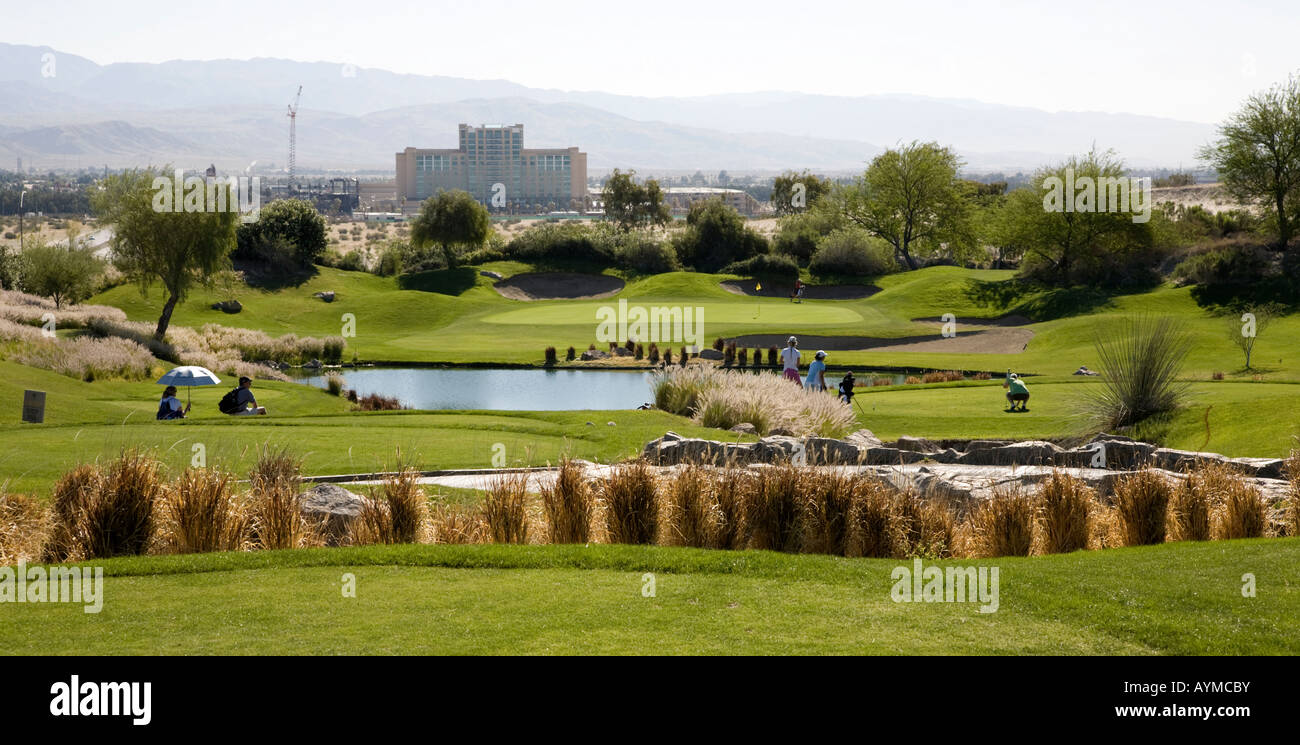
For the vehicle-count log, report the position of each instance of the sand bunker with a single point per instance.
(810, 292)
(991, 341)
(1009, 320)
(559, 286)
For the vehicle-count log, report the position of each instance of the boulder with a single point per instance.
(1261, 468)
(777, 448)
(312, 364)
(228, 306)
(745, 428)
(887, 456)
(1182, 460)
(1120, 452)
(709, 353)
(327, 295)
(916, 444)
(334, 508)
(594, 354)
(830, 452)
(864, 438)
(490, 274)
(622, 352)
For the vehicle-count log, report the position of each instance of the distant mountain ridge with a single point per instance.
(232, 112)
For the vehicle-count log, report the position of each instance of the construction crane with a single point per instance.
(293, 137)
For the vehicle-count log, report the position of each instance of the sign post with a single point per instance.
(34, 406)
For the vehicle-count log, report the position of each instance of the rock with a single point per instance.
(228, 306)
(825, 451)
(777, 448)
(864, 438)
(745, 428)
(594, 354)
(1261, 468)
(312, 365)
(1182, 460)
(947, 455)
(334, 507)
(1029, 453)
(916, 444)
(612, 424)
(490, 274)
(591, 424)
(887, 456)
(709, 353)
(781, 431)
(327, 295)
(1122, 452)
(622, 352)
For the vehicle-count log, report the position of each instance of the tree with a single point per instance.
(715, 236)
(290, 225)
(1257, 155)
(912, 198)
(1244, 330)
(175, 248)
(1075, 246)
(631, 205)
(452, 221)
(65, 275)
(796, 192)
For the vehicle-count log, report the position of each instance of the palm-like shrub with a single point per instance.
(1140, 358)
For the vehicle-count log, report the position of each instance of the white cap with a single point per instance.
(792, 340)
(821, 355)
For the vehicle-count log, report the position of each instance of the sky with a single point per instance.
(1186, 59)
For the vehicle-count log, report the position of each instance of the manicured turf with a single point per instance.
(1173, 599)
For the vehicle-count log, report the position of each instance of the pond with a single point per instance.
(509, 390)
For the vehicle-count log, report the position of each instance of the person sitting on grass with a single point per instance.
(1018, 392)
(240, 402)
(846, 388)
(170, 406)
(790, 359)
(817, 373)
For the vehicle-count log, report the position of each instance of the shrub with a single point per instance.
(876, 529)
(771, 356)
(767, 266)
(730, 506)
(1241, 513)
(1141, 503)
(641, 253)
(1227, 266)
(72, 493)
(505, 513)
(572, 354)
(683, 357)
(828, 508)
(1193, 502)
(1141, 358)
(743, 357)
(456, 524)
(639, 352)
(882, 381)
(654, 353)
(376, 402)
(277, 519)
(851, 252)
(729, 354)
(568, 505)
(24, 523)
(774, 508)
(566, 241)
(118, 519)
(668, 357)
(1064, 514)
(724, 398)
(691, 508)
(551, 359)
(1003, 525)
(399, 513)
(912, 380)
(926, 526)
(200, 515)
(631, 504)
(334, 384)
(716, 236)
(1293, 500)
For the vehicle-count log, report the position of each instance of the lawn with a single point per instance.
(1178, 598)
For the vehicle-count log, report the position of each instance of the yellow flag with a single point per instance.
(758, 287)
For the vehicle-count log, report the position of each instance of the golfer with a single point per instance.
(1017, 393)
(817, 372)
(846, 388)
(790, 359)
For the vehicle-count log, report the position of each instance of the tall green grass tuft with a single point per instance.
(1140, 359)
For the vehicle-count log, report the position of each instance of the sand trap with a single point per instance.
(810, 292)
(991, 341)
(1009, 320)
(559, 286)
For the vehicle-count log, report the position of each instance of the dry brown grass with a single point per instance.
(730, 497)
(774, 507)
(72, 492)
(199, 514)
(928, 525)
(397, 513)
(1142, 503)
(24, 525)
(118, 518)
(277, 518)
(1293, 501)
(877, 529)
(1002, 525)
(505, 509)
(691, 508)
(631, 504)
(827, 513)
(568, 505)
(1064, 514)
(1190, 505)
(1241, 513)
(457, 524)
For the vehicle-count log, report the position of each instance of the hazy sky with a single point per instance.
(1185, 59)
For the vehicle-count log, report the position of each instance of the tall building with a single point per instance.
(493, 165)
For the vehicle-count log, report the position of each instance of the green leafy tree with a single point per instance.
(633, 206)
(65, 275)
(798, 234)
(1066, 247)
(171, 247)
(1257, 154)
(293, 225)
(715, 236)
(453, 221)
(912, 198)
(797, 192)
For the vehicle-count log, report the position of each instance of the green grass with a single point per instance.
(1172, 599)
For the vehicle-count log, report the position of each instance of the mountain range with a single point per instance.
(60, 110)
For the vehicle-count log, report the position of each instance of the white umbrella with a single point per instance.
(189, 376)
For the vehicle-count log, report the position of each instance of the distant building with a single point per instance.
(493, 165)
(680, 199)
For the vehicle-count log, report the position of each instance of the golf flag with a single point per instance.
(758, 287)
